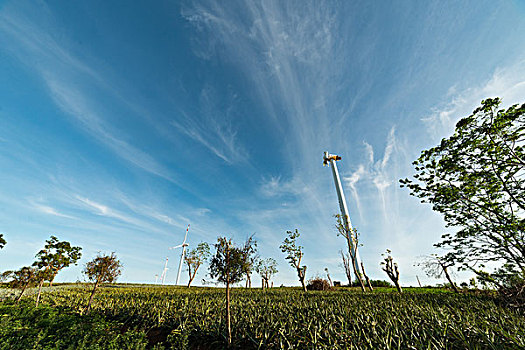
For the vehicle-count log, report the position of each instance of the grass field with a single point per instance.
(281, 318)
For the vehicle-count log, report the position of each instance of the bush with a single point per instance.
(318, 283)
(375, 283)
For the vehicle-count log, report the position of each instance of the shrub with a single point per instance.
(318, 283)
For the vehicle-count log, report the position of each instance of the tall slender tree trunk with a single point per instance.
(22, 292)
(39, 291)
(92, 295)
(418, 282)
(454, 287)
(356, 272)
(366, 277)
(228, 316)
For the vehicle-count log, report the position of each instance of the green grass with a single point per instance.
(175, 317)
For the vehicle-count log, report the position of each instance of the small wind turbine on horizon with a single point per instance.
(164, 272)
(183, 246)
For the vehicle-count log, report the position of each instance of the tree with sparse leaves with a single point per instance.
(351, 238)
(226, 266)
(249, 255)
(347, 266)
(266, 268)
(102, 269)
(391, 269)
(2, 241)
(195, 258)
(476, 179)
(55, 256)
(294, 254)
(436, 266)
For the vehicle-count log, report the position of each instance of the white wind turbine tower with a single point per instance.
(164, 272)
(330, 159)
(183, 246)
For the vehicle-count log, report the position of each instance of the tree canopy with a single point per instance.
(2, 241)
(476, 179)
(195, 258)
(103, 268)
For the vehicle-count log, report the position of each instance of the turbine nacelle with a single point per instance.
(328, 157)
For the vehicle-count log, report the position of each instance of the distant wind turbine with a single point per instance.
(183, 246)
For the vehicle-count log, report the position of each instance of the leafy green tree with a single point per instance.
(294, 254)
(391, 269)
(21, 279)
(55, 256)
(226, 265)
(249, 255)
(2, 241)
(266, 268)
(102, 269)
(195, 258)
(476, 179)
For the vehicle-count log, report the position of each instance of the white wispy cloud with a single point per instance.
(68, 79)
(507, 82)
(46, 209)
(213, 127)
(377, 171)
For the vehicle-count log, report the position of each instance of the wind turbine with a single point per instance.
(164, 272)
(183, 246)
(330, 159)
(156, 278)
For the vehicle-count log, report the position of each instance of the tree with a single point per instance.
(328, 276)
(2, 241)
(437, 267)
(352, 238)
(227, 267)
(266, 268)
(390, 267)
(475, 178)
(55, 256)
(368, 282)
(347, 266)
(294, 254)
(249, 255)
(21, 279)
(195, 258)
(102, 269)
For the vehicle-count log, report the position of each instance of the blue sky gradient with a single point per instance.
(122, 122)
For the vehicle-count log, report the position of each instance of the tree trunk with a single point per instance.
(366, 277)
(450, 279)
(92, 295)
(249, 280)
(22, 292)
(398, 286)
(52, 279)
(39, 290)
(228, 318)
(418, 282)
(300, 273)
(357, 274)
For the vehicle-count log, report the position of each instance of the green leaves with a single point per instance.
(226, 265)
(103, 269)
(475, 178)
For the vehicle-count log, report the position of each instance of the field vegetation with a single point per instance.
(276, 318)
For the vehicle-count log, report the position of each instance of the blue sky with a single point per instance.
(122, 122)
